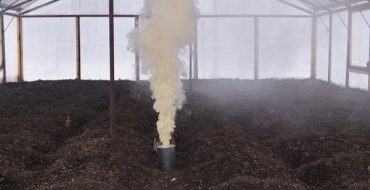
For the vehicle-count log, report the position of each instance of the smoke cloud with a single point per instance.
(165, 29)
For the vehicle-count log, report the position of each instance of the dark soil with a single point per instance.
(231, 134)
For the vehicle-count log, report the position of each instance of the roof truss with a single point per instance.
(310, 7)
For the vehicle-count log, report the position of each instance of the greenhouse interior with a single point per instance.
(185, 94)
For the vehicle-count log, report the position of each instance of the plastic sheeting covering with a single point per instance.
(360, 51)
(361, 41)
(339, 49)
(361, 47)
(49, 55)
(285, 48)
(225, 45)
(11, 49)
(323, 48)
(226, 48)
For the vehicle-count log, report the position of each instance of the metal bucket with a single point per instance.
(167, 157)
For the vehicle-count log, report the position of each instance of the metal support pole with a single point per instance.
(196, 74)
(190, 67)
(191, 61)
(137, 58)
(111, 56)
(3, 60)
(78, 48)
(314, 47)
(330, 46)
(368, 66)
(349, 47)
(20, 49)
(256, 48)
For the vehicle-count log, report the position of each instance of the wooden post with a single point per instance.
(196, 74)
(314, 47)
(256, 48)
(78, 48)
(20, 49)
(3, 60)
(111, 56)
(330, 46)
(137, 58)
(349, 46)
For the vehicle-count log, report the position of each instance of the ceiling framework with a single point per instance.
(14, 7)
(323, 7)
(307, 7)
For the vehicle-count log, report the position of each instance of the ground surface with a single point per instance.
(268, 134)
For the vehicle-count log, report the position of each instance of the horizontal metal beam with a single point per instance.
(17, 6)
(10, 14)
(358, 70)
(256, 15)
(361, 7)
(4, 6)
(200, 16)
(77, 15)
(355, 8)
(39, 7)
(318, 6)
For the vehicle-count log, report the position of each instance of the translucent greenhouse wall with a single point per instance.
(323, 48)
(225, 45)
(226, 48)
(49, 55)
(285, 47)
(360, 48)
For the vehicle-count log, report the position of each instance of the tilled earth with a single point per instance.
(231, 134)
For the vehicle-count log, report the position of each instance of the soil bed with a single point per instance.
(231, 134)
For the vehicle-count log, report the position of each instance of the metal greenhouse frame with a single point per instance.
(313, 9)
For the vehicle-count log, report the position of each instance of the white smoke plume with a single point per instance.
(165, 29)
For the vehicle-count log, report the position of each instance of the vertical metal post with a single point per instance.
(20, 49)
(196, 74)
(3, 60)
(256, 48)
(78, 48)
(111, 56)
(330, 46)
(137, 58)
(368, 65)
(314, 47)
(190, 67)
(191, 61)
(349, 46)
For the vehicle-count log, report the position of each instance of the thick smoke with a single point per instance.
(165, 29)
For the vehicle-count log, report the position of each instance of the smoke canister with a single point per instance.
(167, 157)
